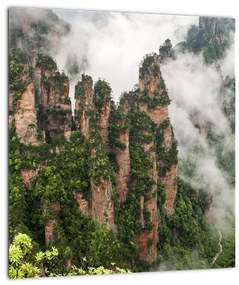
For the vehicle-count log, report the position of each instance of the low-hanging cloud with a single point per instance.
(114, 43)
(194, 89)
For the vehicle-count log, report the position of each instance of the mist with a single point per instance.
(194, 89)
(113, 44)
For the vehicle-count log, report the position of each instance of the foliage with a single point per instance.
(168, 156)
(81, 86)
(145, 65)
(66, 173)
(131, 98)
(117, 124)
(187, 241)
(19, 75)
(227, 257)
(141, 130)
(46, 62)
(206, 38)
(23, 263)
(17, 203)
(225, 157)
(157, 99)
(100, 166)
(166, 51)
(59, 83)
(95, 270)
(102, 93)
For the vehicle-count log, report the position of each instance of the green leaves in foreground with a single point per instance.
(24, 264)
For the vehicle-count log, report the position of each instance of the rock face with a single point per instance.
(50, 233)
(168, 137)
(155, 106)
(119, 148)
(43, 111)
(83, 104)
(55, 104)
(158, 114)
(84, 205)
(25, 117)
(123, 161)
(28, 174)
(170, 183)
(154, 84)
(102, 206)
(147, 241)
(104, 122)
(149, 77)
(214, 26)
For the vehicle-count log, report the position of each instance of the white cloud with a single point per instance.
(194, 88)
(115, 43)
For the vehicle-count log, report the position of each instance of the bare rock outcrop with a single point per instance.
(104, 122)
(25, 117)
(102, 205)
(51, 235)
(56, 105)
(147, 240)
(123, 161)
(170, 183)
(158, 114)
(83, 105)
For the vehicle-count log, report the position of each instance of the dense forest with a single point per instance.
(95, 187)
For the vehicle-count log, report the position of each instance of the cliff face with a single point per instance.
(49, 228)
(156, 108)
(104, 121)
(100, 207)
(93, 124)
(83, 105)
(54, 102)
(25, 117)
(123, 161)
(154, 103)
(129, 149)
(102, 204)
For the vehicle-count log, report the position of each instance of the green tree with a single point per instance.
(22, 261)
